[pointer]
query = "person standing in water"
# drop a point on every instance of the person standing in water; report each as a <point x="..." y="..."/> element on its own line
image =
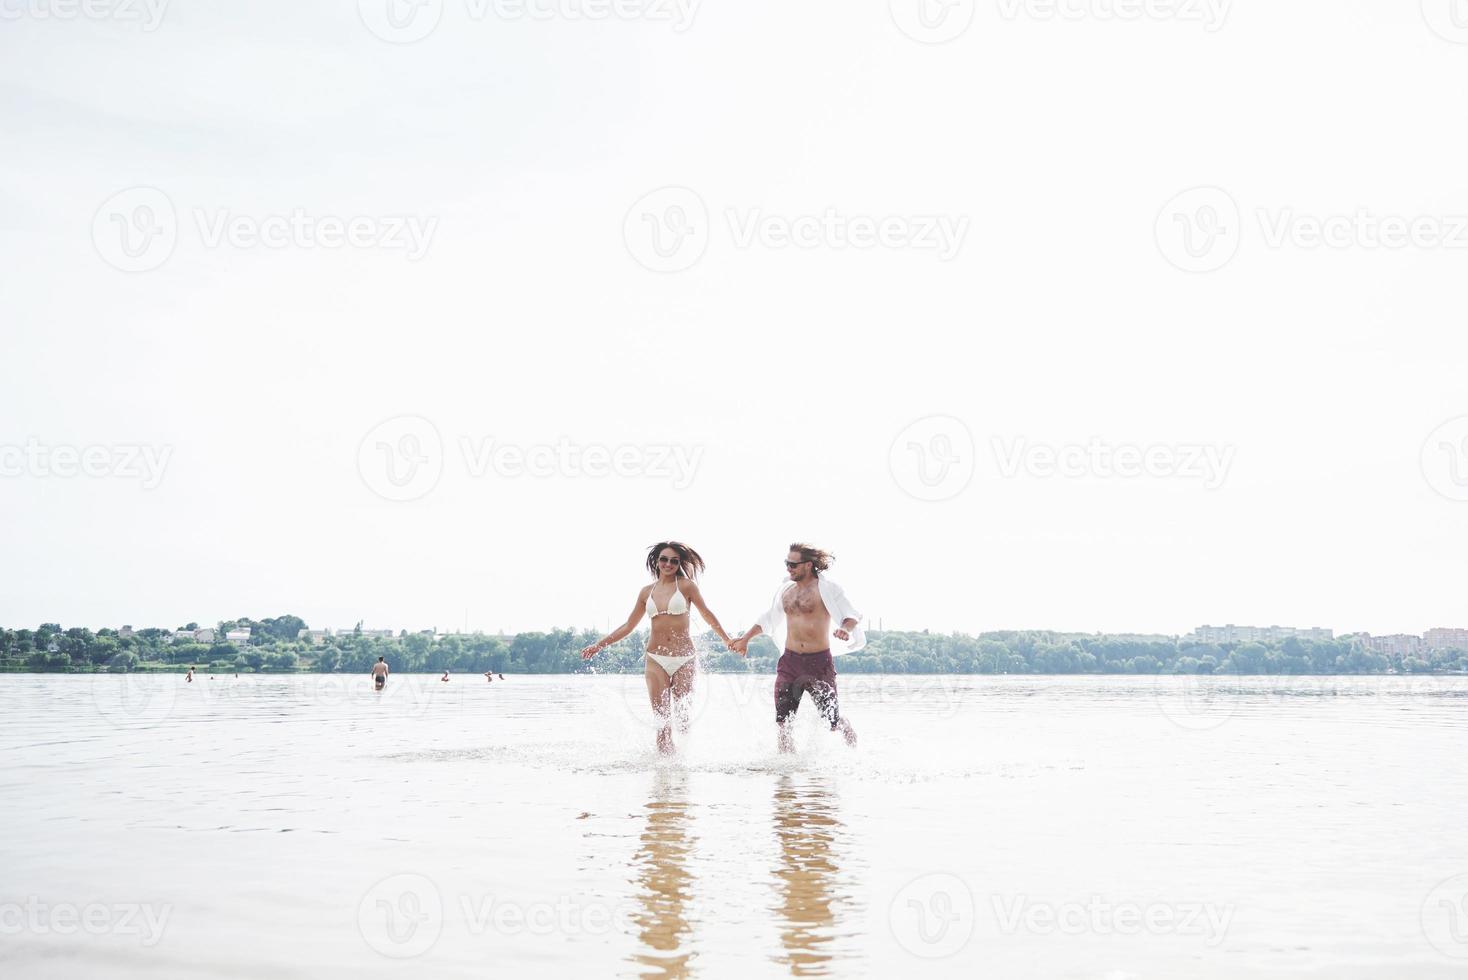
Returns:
<point x="379" y="673"/>
<point x="669" y="668"/>
<point x="805" y="606"/>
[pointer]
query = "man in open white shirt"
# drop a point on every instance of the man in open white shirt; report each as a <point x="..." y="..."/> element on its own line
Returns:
<point x="799" y="621"/>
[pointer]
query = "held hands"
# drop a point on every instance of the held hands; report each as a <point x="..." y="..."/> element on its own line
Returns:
<point x="740" y="646"/>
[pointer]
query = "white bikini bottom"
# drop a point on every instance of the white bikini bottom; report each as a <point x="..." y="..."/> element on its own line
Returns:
<point x="671" y="664"/>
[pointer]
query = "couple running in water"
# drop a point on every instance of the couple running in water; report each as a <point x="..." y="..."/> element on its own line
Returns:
<point x="799" y="621"/>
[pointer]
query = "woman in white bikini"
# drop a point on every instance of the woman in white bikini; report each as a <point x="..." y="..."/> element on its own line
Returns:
<point x="670" y="663"/>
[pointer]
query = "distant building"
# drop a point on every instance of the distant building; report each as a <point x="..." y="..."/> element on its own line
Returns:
<point x="374" y="634"/>
<point x="1446" y="639"/>
<point x="314" y="637"/>
<point x="239" y="637"/>
<point x="190" y="636"/>
<point x="1257" y="634"/>
<point x="205" y="635"/>
<point x="1395" y="645"/>
<point x="125" y="632"/>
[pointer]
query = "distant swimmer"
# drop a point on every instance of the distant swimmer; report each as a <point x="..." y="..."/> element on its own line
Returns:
<point x="489" y="676"/>
<point x="502" y="677"/>
<point x="805" y="605"/>
<point x="379" y="673"/>
<point x="190" y="678"/>
<point x="669" y="668"/>
<point x="445" y="677"/>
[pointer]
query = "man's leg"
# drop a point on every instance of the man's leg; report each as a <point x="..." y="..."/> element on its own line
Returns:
<point x="787" y="701"/>
<point x="823" y="693"/>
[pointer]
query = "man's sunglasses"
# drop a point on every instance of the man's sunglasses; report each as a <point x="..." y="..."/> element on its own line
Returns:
<point x="793" y="565"/>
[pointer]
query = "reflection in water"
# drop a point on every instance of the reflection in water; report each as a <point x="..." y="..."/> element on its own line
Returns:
<point x="810" y="874"/>
<point x="664" y="882"/>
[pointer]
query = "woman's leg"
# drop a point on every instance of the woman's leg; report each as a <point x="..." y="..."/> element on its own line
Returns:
<point x="660" y="695"/>
<point x="682" y="692"/>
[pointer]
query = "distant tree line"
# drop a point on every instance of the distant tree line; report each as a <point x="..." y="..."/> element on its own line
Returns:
<point x="274" y="647"/>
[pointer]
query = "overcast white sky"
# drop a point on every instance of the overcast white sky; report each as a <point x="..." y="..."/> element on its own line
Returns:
<point x="275" y="381"/>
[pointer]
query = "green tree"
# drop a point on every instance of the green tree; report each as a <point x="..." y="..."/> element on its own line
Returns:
<point x="123" y="663"/>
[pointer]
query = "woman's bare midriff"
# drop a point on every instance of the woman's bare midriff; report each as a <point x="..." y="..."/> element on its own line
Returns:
<point x="669" y="636"/>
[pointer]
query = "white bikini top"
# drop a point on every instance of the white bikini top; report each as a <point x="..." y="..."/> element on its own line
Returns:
<point x="677" y="605"/>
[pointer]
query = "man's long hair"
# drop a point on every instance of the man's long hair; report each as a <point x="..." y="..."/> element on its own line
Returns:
<point x="819" y="558"/>
<point x="690" y="562"/>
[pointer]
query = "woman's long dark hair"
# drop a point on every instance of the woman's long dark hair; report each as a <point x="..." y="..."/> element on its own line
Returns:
<point x="690" y="562"/>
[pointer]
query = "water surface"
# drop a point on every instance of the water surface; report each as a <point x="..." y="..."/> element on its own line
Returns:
<point x="1096" y="827"/>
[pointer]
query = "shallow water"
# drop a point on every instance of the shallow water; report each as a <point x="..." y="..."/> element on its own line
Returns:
<point x="1098" y="827"/>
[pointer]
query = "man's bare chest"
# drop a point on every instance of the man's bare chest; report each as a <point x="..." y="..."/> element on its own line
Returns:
<point x="803" y="602"/>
